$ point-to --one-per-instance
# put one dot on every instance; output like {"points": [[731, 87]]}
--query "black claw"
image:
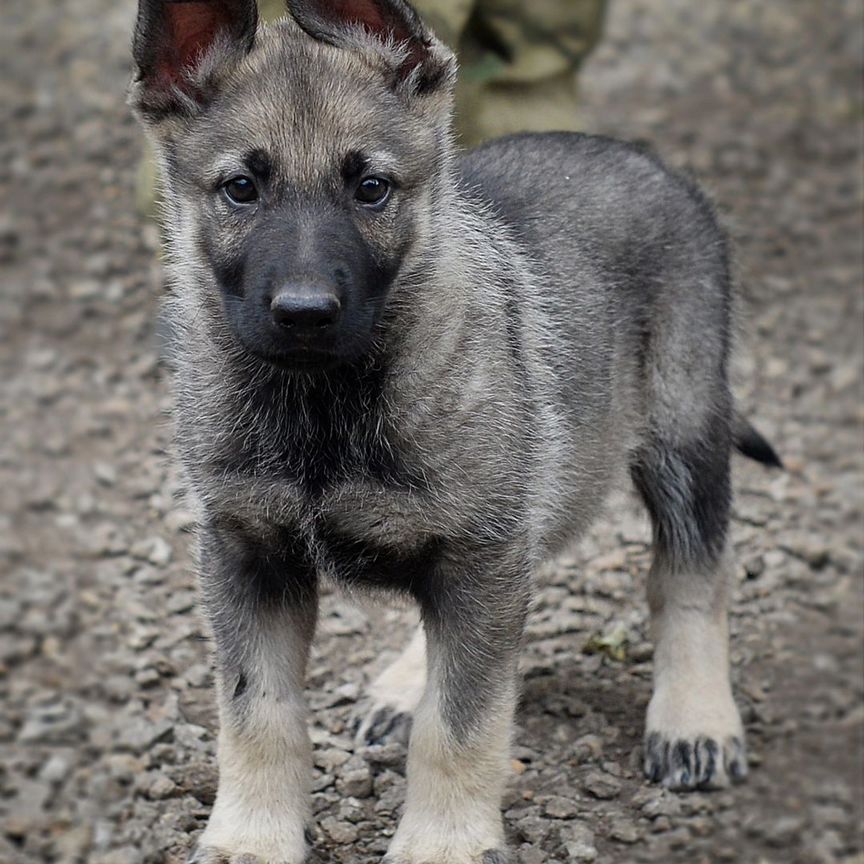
{"points": [[378, 726], [399, 727], [495, 856], [682, 763], [736, 766], [377, 719], [654, 763], [706, 750], [387, 723]]}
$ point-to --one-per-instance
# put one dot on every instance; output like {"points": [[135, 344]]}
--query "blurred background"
{"points": [[106, 717]]}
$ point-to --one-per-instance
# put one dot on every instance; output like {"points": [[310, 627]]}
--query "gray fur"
{"points": [[557, 316]]}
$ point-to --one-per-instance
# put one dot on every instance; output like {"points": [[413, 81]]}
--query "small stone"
{"points": [[321, 781], [340, 832], [105, 473], [529, 854], [198, 779], [148, 677], [357, 783], [198, 675], [123, 767], [388, 755], [57, 723], [783, 832], [623, 831], [578, 842], [154, 549], [331, 759], [602, 786], [701, 826], [559, 807], [161, 787], [662, 804], [534, 828], [588, 747], [180, 602], [56, 769], [140, 735]]}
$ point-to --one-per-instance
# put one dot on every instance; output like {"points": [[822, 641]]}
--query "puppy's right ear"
{"points": [[174, 47]]}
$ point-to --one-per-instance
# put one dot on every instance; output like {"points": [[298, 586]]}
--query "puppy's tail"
{"points": [[750, 443]]}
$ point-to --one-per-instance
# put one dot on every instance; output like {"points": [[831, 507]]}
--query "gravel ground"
{"points": [[106, 717]]}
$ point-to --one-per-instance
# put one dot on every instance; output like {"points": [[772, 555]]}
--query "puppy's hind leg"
{"points": [[694, 737], [394, 695]]}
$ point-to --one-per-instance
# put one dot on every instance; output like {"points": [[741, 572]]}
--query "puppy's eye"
{"points": [[240, 190], [373, 191]]}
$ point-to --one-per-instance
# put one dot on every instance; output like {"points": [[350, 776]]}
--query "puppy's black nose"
{"points": [[305, 308]]}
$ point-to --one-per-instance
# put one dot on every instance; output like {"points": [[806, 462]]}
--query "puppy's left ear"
{"points": [[173, 41], [417, 59]]}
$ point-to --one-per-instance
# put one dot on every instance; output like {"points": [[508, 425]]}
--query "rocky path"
{"points": [[106, 720]]}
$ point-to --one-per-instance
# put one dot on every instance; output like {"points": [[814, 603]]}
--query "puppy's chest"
{"points": [[326, 469], [359, 504], [364, 533]]}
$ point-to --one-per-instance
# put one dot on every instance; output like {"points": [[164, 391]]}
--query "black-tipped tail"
{"points": [[750, 443]]}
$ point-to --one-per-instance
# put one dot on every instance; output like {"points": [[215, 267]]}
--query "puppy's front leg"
{"points": [[262, 607], [458, 756]]}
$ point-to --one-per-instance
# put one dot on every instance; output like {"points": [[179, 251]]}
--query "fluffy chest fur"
{"points": [[318, 460]]}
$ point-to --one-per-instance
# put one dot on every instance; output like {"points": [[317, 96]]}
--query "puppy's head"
{"points": [[301, 163]]}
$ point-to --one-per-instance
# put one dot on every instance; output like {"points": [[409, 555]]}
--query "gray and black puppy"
{"points": [[406, 369]]}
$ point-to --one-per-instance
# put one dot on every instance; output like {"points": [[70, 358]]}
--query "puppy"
{"points": [[407, 369]]}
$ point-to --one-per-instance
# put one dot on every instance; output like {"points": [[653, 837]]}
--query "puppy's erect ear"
{"points": [[173, 37], [416, 57]]}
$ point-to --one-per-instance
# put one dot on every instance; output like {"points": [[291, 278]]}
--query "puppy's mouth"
{"points": [[305, 360], [308, 358]]}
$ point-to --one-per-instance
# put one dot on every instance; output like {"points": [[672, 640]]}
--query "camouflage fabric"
{"points": [[518, 62], [518, 59]]}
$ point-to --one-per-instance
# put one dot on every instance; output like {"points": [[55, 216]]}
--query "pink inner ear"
{"points": [[368, 13], [191, 28], [364, 12]]}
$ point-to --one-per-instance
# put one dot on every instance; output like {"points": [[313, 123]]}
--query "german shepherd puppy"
{"points": [[413, 370]]}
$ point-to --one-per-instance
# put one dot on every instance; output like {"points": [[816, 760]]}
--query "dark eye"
{"points": [[240, 190], [372, 191]]}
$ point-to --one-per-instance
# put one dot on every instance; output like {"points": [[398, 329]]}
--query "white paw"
{"points": [[266, 838], [693, 741], [386, 714], [452, 834]]}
